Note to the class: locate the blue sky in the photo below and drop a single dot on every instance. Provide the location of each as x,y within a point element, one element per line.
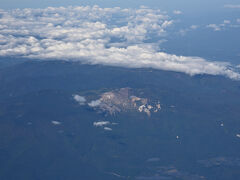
<point>188,5</point>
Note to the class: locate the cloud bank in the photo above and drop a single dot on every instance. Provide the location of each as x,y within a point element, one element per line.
<point>109,36</point>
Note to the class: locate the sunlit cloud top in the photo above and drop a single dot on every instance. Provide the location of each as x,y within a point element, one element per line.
<point>109,36</point>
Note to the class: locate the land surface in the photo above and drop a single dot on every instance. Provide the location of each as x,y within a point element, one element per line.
<point>46,134</point>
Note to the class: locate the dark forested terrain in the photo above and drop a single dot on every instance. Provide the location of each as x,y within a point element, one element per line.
<point>193,136</point>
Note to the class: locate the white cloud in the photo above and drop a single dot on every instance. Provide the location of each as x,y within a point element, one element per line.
<point>94,35</point>
<point>107,129</point>
<point>177,12</point>
<point>80,99</point>
<point>233,6</point>
<point>183,32</point>
<point>56,122</point>
<point>223,26</point>
<point>101,123</point>
<point>94,103</point>
<point>226,22</point>
<point>194,26</point>
<point>215,27</point>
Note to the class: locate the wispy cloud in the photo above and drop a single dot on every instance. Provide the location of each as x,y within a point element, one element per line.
<point>177,12</point>
<point>233,6</point>
<point>194,26</point>
<point>226,21</point>
<point>223,26</point>
<point>107,129</point>
<point>94,35</point>
<point>56,122</point>
<point>101,123</point>
<point>184,31</point>
<point>215,27</point>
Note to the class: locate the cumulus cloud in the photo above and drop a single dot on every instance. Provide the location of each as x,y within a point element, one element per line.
<point>80,99</point>
<point>94,35</point>
<point>233,6</point>
<point>94,103</point>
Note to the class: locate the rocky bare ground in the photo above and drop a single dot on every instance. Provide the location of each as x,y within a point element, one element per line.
<point>120,100</point>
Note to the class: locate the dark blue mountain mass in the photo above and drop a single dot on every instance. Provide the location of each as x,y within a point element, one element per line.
<point>68,121</point>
